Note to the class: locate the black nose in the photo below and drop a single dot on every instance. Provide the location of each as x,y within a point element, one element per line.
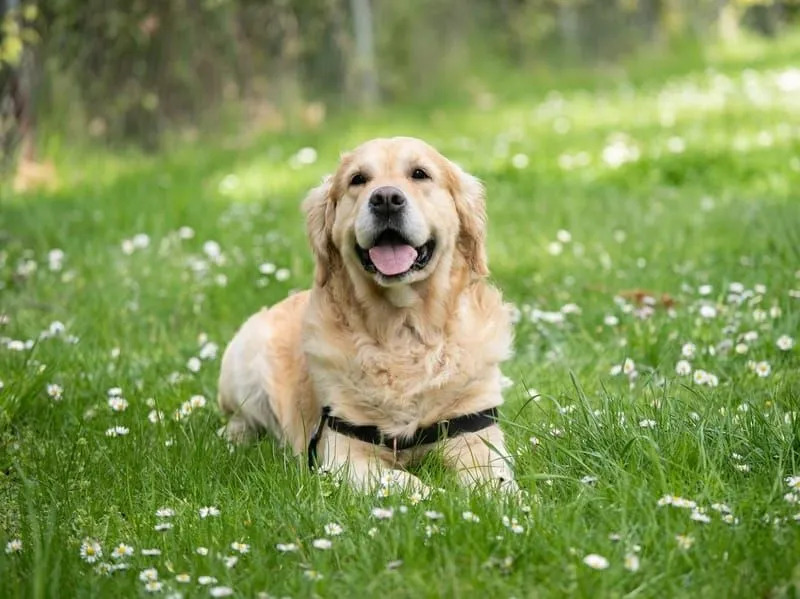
<point>387,200</point>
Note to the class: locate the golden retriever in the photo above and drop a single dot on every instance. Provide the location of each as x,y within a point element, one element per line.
<point>400,331</point>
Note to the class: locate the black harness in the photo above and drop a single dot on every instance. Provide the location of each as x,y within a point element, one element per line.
<point>469,423</point>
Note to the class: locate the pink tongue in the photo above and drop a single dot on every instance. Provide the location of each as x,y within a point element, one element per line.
<point>392,259</point>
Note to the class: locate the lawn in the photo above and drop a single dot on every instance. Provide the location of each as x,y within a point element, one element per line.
<point>648,231</point>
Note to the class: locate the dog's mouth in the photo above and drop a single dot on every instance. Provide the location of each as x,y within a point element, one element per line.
<point>393,256</point>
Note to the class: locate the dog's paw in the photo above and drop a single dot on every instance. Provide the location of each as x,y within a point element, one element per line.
<point>236,431</point>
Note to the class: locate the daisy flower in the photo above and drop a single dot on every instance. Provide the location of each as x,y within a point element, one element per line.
<point>121,550</point>
<point>183,578</point>
<point>148,575</point>
<point>230,561</point>
<point>206,580</point>
<point>14,546</point>
<point>150,552</point>
<point>56,392</point>
<point>162,526</point>
<point>793,482</point>
<point>117,431</point>
<point>684,541</point>
<point>762,369</point>
<point>785,343</point>
<point>647,423</point>
<point>165,512</point>
<point>382,513</point>
<point>201,551</point>
<point>688,350</point>
<point>699,516</point>
<point>286,547</point>
<point>240,547</point>
<point>470,517</point>
<point>322,544</point>
<point>333,529</point>
<point>220,591</point>
<point>433,515</point>
<point>153,586</point>
<point>631,563</point>
<point>91,551</point>
<point>312,575</point>
<point>595,561</point>
<point>282,274</point>
<point>683,368</point>
<point>118,404</point>
<point>209,511</point>
<point>194,364</point>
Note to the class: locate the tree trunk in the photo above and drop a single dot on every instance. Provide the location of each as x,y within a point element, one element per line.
<point>365,70</point>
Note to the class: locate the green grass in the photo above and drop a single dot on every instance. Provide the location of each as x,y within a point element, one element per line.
<point>724,209</point>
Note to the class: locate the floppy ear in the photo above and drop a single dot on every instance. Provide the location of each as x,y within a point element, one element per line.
<point>319,208</point>
<point>470,199</point>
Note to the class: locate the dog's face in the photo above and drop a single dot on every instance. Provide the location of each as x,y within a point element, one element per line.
<point>394,212</point>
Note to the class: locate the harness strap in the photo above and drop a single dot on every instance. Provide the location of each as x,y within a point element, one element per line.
<point>469,423</point>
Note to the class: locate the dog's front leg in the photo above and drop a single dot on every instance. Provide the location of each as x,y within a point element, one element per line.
<point>481,458</point>
<point>367,467</point>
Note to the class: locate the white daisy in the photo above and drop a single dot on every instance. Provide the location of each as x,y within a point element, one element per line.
<point>333,529</point>
<point>763,369</point>
<point>322,544</point>
<point>209,512</point>
<point>684,541</point>
<point>206,580</point>
<point>91,551</point>
<point>56,392</point>
<point>150,552</point>
<point>14,546</point>
<point>201,551</point>
<point>165,512</point>
<point>382,513</point>
<point>183,578</point>
<point>148,575</point>
<point>631,563</point>
<point>595,561</point>
<point>240,547</point>
<point>683,368</point>
<point>117,431</point>
<point>688,350</point>
<point>286,547</point>
<point>470,517</point>
<point>153,586</point>
<point>117,404</point>
<point>194,364</point>
<point>785,343</point>
<point>122,550</point>
<point>220,591</point>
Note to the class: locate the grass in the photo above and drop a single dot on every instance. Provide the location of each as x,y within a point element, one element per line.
<point>706,195</point>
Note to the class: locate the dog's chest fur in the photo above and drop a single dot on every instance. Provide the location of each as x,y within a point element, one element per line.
<point>412,379</point>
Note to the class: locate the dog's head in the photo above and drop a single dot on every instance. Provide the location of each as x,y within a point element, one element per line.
<point>394,212</point>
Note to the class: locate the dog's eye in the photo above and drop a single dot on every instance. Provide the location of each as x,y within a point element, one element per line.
<point>419,174</point>
<point>358,179</point>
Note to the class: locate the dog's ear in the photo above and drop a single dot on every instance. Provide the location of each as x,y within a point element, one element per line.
<point>319,208</point>
<point>470,198</point>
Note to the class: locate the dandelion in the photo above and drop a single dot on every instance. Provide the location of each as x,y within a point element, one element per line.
<point>312,575</point>
<point>688,350</point>
<point>56,392</point>
<point>14,546</point>
<point>122,550</point>
<point>148,575</point>
<point>322,544</point>
<point>194,364</point>
<point>382,513</point>
<point>683,368</point>
<point>206,580</point>
<point>165,512</point>
<point>785,343</point>
<point>762,369</point>
<point>333,529</point>
<point>91,551</point>
<point>286,547</point>
<point>684,541</point>
<point>209,512</point>
<point>631,563</point>
<point>240,547</point>
<point>117,431</point>
<point>220,591</point>
<point>470,517</point>
<point>595,561</point>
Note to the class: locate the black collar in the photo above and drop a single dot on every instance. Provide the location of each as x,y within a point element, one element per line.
<point>469,423</point>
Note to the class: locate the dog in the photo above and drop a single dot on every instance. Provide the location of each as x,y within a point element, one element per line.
<point>400,334</point>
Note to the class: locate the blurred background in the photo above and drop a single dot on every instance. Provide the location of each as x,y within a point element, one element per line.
<point>124,72</point>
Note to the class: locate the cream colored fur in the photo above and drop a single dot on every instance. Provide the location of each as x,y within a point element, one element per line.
<point>399,356</point>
